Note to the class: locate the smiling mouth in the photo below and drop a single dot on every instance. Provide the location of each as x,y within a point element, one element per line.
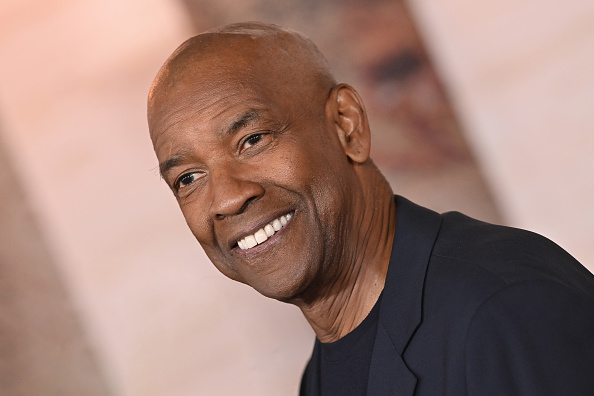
<point>263,234</point>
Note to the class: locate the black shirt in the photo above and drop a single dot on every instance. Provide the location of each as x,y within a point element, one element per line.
<point>344,364</point>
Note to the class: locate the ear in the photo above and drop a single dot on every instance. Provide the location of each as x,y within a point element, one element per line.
<point>348,113</point>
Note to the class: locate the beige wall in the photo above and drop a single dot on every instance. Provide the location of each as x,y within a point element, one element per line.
<point>43,345</point>
<point>73,82</point>
<point>522,77</point>
<point>160,320</point>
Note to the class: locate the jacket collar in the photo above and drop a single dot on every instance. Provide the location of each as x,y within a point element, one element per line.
<point>401,305</point>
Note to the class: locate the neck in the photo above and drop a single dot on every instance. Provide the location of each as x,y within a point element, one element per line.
<point>343,302</point>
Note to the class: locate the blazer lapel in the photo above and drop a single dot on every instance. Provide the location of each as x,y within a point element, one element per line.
<point>401,304</point>
<point>388,375</point>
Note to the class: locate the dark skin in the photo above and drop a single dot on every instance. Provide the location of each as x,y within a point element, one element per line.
<point>249,125</point>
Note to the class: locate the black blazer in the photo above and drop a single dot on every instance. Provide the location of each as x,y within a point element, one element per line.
<point>471,308</point>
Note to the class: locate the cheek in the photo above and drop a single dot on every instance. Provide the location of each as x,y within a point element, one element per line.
<point>197,220</point>
<point>202,228</point>
<point>301,165</point>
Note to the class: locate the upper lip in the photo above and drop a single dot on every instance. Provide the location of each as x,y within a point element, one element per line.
<point>258,224</point>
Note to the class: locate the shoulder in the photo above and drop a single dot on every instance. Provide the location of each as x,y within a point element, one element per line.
<point>522,307</point>
<point>501,256</point>
<point>466,238</point>
<point>475,266</point>
<point>531,337</point>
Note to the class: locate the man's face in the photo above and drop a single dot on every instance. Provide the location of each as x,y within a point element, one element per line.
<point>243,152</point>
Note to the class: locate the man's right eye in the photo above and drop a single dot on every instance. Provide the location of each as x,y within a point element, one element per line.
<point>186,180</point>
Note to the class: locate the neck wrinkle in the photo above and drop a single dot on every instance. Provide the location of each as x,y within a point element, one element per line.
<point>355,291</point>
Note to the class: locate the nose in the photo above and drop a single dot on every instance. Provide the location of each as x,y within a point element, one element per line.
<point>232,191</point>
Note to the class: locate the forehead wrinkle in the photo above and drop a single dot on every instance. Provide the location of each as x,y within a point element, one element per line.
<point>189,107</point>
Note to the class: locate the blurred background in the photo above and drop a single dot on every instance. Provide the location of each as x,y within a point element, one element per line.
<point>482,107</point>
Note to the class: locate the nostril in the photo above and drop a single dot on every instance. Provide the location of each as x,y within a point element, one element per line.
<point>246,203</point>
<point>220,216</point>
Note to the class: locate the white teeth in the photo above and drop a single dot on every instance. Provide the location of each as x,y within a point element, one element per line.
<point>260,236</point>
<point>264,233</point>
<point>250,241</point>
<point>276,224</point>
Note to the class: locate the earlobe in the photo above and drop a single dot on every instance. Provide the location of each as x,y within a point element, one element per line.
<point>350,119</point>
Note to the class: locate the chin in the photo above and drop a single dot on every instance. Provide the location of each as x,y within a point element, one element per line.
<point>285,291</point>
<point>283,270</point>
<point>287,287</point>
<point>279,294</point>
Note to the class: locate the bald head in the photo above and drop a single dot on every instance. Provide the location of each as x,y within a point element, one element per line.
<point>250,127</point>
<point>270,56</point>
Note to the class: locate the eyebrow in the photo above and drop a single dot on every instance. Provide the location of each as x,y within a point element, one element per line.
<point>241,122</point>
<point>169,163</point>
<point>244,120</point>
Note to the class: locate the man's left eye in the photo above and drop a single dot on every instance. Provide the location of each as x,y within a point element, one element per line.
<point>250,141</point>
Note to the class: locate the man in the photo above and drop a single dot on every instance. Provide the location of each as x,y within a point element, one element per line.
<point>268,158</point>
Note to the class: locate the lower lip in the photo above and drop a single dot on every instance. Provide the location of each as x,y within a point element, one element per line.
<point>264,245</point>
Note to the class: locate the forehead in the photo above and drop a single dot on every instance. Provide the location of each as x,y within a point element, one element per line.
<point>200,83</point>
<point>213,69</point>
<point>214,81</point>
<point>211,103</point>
<point>207,98</point>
